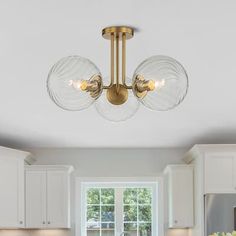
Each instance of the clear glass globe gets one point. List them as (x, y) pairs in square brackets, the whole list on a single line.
[(170, 82), (117, 113), (64, 79)]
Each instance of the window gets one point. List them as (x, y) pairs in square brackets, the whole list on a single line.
[(137, 211), (112, 209), (100, 217)]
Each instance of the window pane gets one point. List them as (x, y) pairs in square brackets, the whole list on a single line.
[(93, 196), (145, 213), (145, 229), (108, 232), (144, 196), (107, 196), (130, 228), (108, 213), (108, 229), (130, 196), (93, 213), (93, 225), (93, 232), (130, 213), (108, 225), (132, 233)]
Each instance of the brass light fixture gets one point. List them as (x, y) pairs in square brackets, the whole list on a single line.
[(160, 82)]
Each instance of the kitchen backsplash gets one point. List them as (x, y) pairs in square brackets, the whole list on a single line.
[(35, 233), (174, 232)]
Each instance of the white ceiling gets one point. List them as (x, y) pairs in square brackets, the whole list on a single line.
[(35, 34)]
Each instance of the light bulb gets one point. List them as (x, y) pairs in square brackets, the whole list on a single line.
[(79, 84), (155, 84), (76, 84), (159, 84)]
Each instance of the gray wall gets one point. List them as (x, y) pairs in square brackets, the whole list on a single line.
[(111, 162)]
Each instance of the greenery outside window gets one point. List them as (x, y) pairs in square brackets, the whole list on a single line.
[(114, 209)]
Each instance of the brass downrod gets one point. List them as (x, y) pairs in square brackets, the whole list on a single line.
[(118, 33), (124, 38), (117, 63), (117, 91), (123, 58), (112, 40), (112, 58)]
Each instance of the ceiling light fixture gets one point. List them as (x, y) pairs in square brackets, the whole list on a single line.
[(160, 82)]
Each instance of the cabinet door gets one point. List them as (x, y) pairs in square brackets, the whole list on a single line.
[(35, 199), (11, 193), (57, 199), (180, 195), (219, 173)]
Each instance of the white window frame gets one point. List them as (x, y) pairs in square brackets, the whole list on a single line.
[(156, 183)]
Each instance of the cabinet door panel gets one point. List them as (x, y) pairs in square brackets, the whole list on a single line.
[(57, 199), (36, 199), (12, 193), (219, 173), (180, 197)]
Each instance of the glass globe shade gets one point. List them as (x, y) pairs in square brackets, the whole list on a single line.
[(64, 81), (170, 82), (117, 113)]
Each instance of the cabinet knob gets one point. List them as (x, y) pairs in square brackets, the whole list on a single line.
[(176, 221), (44, 222), (49, 222), (21, 222)]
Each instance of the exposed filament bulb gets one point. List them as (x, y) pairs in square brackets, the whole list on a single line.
[(154, 84), (159, 84), (78, 84)]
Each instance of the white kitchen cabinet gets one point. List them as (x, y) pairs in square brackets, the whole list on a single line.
[(179, 180), (12, 188), (220, 169), (48, 196), (214, 172), (35, 198), (58, 199)]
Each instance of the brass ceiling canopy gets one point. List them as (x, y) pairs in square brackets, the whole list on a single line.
[(118, 31), (160, 82)]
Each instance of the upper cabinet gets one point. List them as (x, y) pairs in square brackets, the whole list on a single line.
[(214, 172), (48, 196), (217, 167), (179, 182), (220, 172), (12, 187), (58, 199), (35, 198), (32, 196)]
